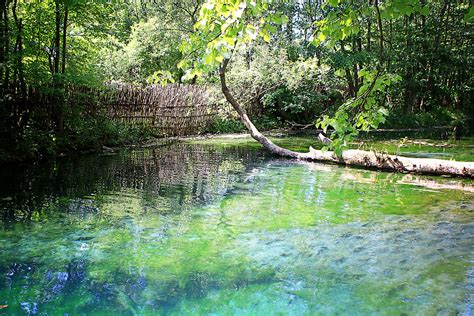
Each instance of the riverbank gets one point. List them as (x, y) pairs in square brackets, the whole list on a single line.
[(391, 142)]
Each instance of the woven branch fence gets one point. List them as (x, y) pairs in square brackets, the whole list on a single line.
[(173, 110)]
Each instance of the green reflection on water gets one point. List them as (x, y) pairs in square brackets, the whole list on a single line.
[(460, 150), (207, 229)]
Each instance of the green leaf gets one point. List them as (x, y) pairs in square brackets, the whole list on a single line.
[(266, 36), (209, 59), (384, 111), (321, 37), (425, 11), (469, 16)]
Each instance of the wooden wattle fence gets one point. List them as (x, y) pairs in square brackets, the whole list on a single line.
[(172, 110)]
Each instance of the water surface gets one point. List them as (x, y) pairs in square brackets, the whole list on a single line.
[(207, 228)]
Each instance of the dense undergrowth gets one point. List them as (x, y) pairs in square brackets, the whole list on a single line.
[(36, 143), (456, 121)]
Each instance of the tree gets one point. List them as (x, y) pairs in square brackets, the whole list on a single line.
[(147, 52), (223, 24)]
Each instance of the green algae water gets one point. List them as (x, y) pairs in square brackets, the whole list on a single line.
[(215, 229)]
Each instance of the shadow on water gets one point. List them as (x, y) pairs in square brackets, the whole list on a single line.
[(179, 172), (218, 229)]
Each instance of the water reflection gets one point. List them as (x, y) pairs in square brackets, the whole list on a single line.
[(179, 174), (199, 229)]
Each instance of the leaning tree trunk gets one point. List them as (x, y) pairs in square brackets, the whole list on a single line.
[(268, 144), (359, 158)]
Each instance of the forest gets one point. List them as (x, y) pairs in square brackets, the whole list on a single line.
[(236, 157), (335, 64)]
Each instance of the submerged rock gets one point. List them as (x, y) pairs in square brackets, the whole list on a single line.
[(18, 271), (57, 282), (29, 308), (83, 208)]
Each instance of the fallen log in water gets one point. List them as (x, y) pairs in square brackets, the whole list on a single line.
[(373, 160), (429, 183), (359, 158)]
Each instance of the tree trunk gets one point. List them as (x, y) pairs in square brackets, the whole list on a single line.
[(355, 68), (3, 46), (350, 83), (56, 38), (357, 158), (372, 160), (21, 75), (57, 97), (21, 111), (349, 77), (63, 62), (268, 144)]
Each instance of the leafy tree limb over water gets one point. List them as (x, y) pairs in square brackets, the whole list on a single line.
[(225, 24)]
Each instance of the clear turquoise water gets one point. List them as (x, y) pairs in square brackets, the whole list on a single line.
[(192, 229)]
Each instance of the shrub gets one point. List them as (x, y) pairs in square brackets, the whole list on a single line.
[(269, 84)]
